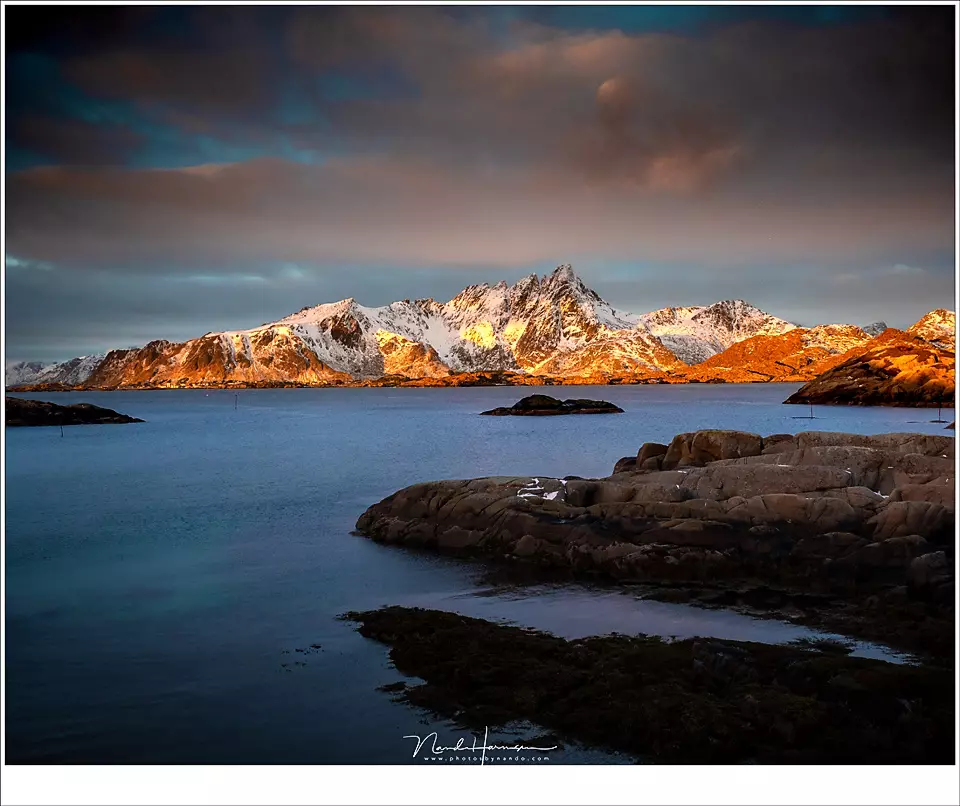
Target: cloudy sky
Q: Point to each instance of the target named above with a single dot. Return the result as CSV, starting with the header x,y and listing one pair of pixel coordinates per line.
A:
x,y
176,170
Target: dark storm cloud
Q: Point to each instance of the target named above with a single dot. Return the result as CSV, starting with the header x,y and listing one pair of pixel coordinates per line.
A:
x,y
216,143
76,140
400,212
222,70
640,104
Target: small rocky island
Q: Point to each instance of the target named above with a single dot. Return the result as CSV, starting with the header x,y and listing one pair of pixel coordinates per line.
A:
x,y
546,406
21,412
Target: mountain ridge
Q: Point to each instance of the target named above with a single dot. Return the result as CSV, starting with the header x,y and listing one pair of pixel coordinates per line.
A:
x,y
552,326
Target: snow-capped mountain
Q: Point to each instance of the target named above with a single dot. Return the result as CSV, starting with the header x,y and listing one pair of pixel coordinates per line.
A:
x,y
696,333
484,327
70,373
532,326
552,325
938,327
874,328
22,372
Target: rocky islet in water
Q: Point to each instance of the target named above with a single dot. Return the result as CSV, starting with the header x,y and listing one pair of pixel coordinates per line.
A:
x,y
546,406
20,412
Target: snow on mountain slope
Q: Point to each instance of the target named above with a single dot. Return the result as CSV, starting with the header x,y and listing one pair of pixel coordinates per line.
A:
x,y
72,372
874,328
939,327
21,372
695,334
484,327
542,325
622,352
835,338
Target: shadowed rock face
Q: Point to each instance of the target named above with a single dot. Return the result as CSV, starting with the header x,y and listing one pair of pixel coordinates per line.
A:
x,y
544,405
840,513
36,412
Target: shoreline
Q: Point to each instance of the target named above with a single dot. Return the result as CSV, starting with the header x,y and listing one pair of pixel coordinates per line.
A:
x,y
47,390
418,384
379,383
847,533
844,531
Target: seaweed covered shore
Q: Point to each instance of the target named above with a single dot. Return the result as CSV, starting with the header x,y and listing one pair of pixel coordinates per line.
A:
x,y
691,701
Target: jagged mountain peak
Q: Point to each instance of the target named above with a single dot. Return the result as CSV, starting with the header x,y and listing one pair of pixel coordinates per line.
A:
x,y
564,281
696,333
874,328
732,307
564,273
316,313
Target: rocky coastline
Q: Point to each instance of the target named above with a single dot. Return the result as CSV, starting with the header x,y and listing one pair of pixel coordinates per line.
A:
x,y
842,530
26,413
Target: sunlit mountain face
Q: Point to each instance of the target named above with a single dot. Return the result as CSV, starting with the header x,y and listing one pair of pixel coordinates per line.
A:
x,y
544,328
173,171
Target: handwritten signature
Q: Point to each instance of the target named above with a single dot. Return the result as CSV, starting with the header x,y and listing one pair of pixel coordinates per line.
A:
x,y
462,747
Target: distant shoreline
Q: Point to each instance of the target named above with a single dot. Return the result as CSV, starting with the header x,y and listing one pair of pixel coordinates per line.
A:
x,y
454,382
407,383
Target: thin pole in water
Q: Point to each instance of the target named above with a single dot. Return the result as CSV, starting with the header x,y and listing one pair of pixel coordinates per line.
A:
x,y
939,412
811,411
236,400
61,431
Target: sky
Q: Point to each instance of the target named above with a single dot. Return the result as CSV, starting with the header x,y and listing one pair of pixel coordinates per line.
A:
x,y
176,170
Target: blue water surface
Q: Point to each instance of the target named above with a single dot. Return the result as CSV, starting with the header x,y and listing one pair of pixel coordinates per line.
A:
x,y
159,575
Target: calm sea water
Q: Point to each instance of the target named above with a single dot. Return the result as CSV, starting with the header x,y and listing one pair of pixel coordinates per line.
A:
x,y
160,575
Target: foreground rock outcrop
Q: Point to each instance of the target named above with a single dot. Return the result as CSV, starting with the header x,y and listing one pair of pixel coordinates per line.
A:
x,y
701,701
843,515
546,406
21,412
